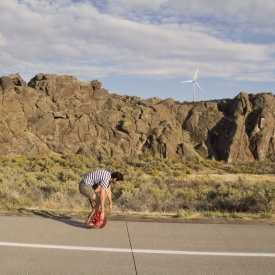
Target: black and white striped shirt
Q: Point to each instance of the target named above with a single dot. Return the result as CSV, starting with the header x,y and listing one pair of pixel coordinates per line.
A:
x,y
100,177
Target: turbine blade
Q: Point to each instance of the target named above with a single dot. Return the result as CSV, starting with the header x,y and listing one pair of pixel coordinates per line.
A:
x,y
187,81
199,86
196,74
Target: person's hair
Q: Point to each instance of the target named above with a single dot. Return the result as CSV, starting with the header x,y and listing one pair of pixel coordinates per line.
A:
x,y
117,175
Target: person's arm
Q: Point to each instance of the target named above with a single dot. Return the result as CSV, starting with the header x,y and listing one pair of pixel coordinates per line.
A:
x,y
109,196
102,202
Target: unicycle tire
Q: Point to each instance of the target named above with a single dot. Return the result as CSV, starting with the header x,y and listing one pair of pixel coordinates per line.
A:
x,y
97,219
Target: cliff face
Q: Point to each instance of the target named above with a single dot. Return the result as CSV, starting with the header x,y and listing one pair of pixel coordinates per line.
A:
x,y
59,114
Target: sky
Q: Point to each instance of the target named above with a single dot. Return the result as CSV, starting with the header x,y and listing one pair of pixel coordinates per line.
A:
x,y
144,48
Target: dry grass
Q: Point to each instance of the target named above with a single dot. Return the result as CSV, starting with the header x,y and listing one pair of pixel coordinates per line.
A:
x,y
185,189
226,177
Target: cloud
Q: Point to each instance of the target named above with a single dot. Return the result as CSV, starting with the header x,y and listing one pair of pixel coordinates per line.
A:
x,y
154,39
3,41
242,11
5,59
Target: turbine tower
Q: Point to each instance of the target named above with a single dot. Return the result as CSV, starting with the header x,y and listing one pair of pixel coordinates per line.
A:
x,y
194,82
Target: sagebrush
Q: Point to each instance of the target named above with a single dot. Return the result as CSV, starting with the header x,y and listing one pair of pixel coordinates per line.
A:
x,y
151,185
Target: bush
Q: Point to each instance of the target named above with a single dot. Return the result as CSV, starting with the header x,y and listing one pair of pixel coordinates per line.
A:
x,y
181,213
151,184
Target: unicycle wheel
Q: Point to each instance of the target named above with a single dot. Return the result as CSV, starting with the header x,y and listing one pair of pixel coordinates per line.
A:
x,y
97,219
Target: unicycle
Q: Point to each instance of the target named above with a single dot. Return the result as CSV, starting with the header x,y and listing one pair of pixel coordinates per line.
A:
x,y
96,218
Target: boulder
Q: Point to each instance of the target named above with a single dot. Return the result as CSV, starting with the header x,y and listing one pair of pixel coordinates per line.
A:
x,y
55,114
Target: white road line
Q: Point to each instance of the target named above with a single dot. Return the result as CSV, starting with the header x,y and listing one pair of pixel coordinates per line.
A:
x,y
148,251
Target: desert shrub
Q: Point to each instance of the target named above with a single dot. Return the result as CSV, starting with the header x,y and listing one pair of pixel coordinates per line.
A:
x,y
193,160
240,197
181,213
154,172
266,215
256,167
151,184
147,158
236,215
113,164
143,193
207,214
135,162
177,173
80,161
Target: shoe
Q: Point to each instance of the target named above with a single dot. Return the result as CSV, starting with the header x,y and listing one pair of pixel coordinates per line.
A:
x,y
98,224
90,223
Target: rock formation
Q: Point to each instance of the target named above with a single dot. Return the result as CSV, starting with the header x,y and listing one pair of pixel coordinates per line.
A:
x,y
61,115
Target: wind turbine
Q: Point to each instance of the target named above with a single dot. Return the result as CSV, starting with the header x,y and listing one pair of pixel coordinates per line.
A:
x,y
194,82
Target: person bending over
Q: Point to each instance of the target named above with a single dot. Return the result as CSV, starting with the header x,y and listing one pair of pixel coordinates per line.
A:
x,y
96,186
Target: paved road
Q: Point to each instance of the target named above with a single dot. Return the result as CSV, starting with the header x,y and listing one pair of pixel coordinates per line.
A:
x,y
36,245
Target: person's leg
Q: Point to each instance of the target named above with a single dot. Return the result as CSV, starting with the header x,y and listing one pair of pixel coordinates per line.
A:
x,y
95,198
88,192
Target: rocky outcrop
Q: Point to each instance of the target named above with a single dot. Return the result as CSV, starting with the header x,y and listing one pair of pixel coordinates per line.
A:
x,y
61,115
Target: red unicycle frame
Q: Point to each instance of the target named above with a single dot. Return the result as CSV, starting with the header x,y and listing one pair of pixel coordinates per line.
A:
x,y
96,218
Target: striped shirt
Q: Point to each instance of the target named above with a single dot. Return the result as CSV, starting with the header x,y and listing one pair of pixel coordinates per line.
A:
x,y
100,177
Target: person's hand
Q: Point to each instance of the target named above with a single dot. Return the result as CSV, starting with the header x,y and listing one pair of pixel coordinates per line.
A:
x,y
111,208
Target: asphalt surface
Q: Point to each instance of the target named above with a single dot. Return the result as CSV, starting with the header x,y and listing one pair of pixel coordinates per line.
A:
x,y
37,245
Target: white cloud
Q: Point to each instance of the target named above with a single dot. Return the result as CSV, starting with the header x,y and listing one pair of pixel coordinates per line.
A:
x,y
5,59
142,3
80,39
3,41
245,10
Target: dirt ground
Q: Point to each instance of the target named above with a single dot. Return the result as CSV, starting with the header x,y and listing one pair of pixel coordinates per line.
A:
x,y
137,217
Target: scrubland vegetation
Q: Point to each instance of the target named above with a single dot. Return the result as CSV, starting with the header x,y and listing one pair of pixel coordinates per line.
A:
x,y
151,186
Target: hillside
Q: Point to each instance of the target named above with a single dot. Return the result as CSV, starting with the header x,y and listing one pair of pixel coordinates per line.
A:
x,y
57,115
